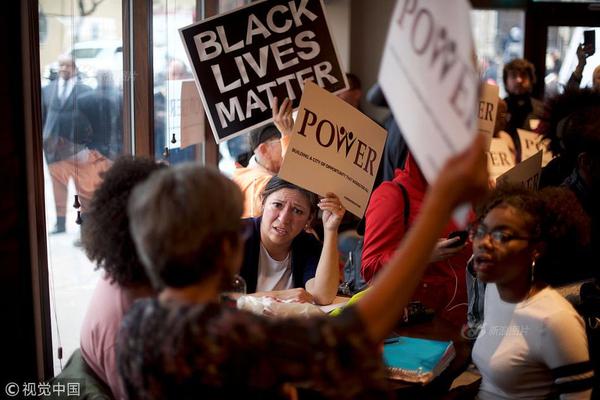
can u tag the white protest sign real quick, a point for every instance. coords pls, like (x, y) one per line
(430, 80)
(185, 116)
(526, 173)
(488, 109)
(499, 157)
(244, 58)
(334, 148)
(531, 143)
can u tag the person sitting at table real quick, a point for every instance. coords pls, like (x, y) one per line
(283, 260)
(107, 242)
(392, 210)
(533, 343)
(185, 344)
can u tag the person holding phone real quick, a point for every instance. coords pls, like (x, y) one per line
(391, 212)
(585, 50)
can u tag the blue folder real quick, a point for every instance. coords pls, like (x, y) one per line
(416, 360)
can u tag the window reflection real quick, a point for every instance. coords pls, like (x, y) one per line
(170, 68)
(81, 63)
(499, 38)
(562, 59)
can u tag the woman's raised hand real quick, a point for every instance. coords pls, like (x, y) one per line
(282, 116)
(333, 211)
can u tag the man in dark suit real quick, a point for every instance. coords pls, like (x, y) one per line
(67, 133)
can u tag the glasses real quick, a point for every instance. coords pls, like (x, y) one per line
(498, 237)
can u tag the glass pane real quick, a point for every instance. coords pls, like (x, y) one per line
(81, 62)
(498, 38)
(562, 60)
(172, 143)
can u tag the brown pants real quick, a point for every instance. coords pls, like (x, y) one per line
(86, 174)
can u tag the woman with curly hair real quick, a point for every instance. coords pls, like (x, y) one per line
(532, 343)
(107, 242)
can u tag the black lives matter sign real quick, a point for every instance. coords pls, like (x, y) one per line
(242, 59)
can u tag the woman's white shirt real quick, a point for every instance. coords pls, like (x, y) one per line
(521, 343)
(273, 274)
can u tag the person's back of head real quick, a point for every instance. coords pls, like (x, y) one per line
(180, 220)
(105, 233)
(571, 124)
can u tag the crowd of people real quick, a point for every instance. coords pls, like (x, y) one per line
(171, 239)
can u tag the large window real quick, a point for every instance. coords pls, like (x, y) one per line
(81, 65)
(173, 141)
(561, 57)
(499, 38)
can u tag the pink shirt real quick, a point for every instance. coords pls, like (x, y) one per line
(99, 332)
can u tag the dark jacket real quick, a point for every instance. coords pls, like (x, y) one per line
(306, 251)
(66, 130)
(520, 111)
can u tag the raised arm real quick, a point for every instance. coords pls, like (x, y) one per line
(323, 286)
(575, 79)
(463, 178)
(283, 120)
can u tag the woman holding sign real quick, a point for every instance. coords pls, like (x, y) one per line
(281, 258)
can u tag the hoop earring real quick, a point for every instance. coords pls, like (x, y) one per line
(533, 271)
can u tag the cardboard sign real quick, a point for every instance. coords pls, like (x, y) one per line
(334, 148)
(531, 143)
(526, 173)
(488, 110)
(499, 157)
(242, 59)
(430, 80)
(185, 114)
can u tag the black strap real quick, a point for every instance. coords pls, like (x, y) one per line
(406, 204)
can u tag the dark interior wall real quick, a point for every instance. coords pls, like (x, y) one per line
(369, 24)
(17, 321)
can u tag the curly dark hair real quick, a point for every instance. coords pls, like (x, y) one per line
(105, 233)
(555, 218)
(571, 123)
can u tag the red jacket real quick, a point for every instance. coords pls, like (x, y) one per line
(443, 287)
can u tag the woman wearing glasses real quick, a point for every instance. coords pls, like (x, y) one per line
(532, 343)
